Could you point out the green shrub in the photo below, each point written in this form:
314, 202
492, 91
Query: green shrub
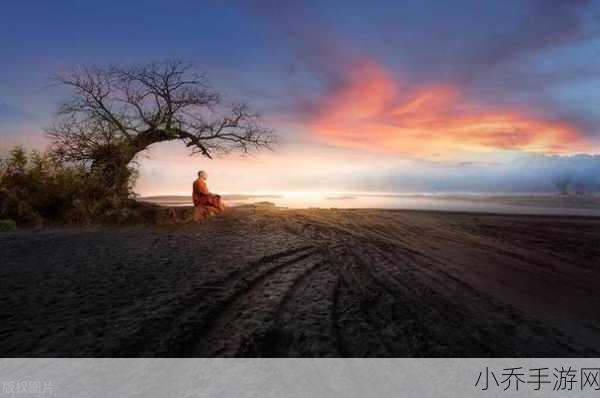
37, 188
7, 225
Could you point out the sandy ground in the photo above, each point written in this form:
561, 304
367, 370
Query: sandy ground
270, 282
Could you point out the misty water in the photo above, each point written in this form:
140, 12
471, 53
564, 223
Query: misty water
507, 204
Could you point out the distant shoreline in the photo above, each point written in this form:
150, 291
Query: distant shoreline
189, 197
549, 204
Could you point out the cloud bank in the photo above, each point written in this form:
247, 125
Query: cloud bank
374, 112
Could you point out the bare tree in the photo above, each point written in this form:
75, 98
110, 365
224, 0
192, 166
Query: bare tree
117, 112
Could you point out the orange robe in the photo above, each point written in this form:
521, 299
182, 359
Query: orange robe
202, 196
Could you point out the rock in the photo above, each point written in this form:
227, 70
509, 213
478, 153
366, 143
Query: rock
203, 212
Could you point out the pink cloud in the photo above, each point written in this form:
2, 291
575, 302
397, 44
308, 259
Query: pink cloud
374, 111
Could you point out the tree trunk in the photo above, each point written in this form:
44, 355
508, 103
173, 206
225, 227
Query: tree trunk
111, 164
112, 170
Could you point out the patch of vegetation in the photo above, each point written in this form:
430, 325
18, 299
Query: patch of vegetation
8, 225
37, 188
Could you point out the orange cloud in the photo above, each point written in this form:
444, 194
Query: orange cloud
372, 112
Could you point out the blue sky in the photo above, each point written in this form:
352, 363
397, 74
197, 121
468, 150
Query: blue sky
492, 82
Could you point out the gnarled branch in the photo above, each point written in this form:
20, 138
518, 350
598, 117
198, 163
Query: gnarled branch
133, 107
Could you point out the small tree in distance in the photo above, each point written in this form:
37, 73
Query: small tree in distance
562, 184
116, 112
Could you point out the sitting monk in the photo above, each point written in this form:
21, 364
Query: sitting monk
206, 203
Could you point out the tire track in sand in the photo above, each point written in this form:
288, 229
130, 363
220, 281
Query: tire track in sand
175, 334
358, 317
243, 321
303, 324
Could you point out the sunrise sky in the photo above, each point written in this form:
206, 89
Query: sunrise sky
387, 96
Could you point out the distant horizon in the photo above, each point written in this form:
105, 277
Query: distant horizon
511, 203
279, 194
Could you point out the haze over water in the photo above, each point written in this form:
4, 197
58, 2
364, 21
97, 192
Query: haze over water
509, 204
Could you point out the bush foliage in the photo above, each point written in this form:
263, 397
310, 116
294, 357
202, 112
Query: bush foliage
7, 225
36, 188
